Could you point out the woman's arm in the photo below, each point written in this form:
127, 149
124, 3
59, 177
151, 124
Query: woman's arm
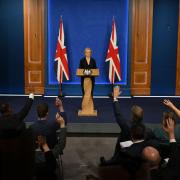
169, 104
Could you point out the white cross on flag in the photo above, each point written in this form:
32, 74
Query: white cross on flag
113, 56
61, 56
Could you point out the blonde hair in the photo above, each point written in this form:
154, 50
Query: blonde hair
87, 49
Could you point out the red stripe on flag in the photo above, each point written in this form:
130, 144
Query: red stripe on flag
61, 55
113, 56
112, 75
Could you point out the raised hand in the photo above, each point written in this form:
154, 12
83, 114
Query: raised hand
59, 104
60, 120
31, 95
168, 103
116, 91
169, 127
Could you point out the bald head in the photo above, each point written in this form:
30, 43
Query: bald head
152, 156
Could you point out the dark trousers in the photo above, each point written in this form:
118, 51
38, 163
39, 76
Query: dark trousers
82, 85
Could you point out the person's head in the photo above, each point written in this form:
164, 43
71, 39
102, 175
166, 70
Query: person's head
88, 52
5, 108
137, 114
42, 110
151, 157
137, 132
168, 115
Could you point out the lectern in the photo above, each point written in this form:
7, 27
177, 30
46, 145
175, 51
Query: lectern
87, 101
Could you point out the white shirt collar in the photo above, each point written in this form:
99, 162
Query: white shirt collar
139, 141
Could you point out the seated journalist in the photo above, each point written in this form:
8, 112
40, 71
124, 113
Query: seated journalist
11, 123
124, 123
45, 158
46, 126
152, 157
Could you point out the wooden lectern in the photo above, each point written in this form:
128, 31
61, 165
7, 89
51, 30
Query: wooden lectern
87, 102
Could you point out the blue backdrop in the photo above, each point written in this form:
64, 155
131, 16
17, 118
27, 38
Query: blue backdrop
87, 24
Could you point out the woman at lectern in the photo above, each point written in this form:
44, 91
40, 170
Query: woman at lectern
87, 63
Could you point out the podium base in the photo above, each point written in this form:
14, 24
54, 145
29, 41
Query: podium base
82, 113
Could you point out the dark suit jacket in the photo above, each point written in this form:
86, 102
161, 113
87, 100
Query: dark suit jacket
84, 65
129, 158
46, 170
126, 124
47, 128
46, 162
11, 125
58, 148
129, 153
172, 170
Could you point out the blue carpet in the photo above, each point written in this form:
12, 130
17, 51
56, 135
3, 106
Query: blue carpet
153, 108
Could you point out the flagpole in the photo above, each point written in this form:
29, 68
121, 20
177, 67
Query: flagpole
60, 90
111, 93
114, 62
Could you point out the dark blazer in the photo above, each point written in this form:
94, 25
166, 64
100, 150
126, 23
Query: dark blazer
47, 128
84, 65
125, 126
46, 162
129, 158
127, 154
45, 170
12, 124
172, 170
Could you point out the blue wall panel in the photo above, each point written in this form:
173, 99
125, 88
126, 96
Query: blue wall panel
87, 24
164, 53
11, 46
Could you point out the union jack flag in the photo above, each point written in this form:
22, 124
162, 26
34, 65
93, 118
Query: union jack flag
113, 56
61, 56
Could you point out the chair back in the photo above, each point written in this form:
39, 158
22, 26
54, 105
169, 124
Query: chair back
113, 173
